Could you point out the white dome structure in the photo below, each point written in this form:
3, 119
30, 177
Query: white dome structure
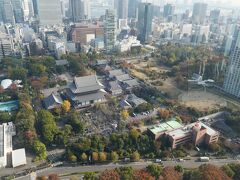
6, 83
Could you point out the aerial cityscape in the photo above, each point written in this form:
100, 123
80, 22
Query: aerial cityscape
120, 89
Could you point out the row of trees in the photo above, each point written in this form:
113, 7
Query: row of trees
154, 171
132, 144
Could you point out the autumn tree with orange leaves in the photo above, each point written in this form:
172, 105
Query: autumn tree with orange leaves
109, 175
169, 173
142, 175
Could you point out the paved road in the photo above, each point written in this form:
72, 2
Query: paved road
137, 165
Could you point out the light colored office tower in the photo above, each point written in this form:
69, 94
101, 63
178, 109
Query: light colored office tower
49, 12
6, 46
6, 133
79, 10
110, 26
199, 13
121, 7
27, 9
232, 78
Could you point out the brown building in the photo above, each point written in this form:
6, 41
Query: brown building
84, 33
195, 133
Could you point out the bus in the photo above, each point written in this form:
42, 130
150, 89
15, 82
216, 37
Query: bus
204, 159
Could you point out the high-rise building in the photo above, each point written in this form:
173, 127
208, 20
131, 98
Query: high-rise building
28, 11
35, 7
199, 13
232, 78
215, 16
132, 8
145, 17
79, 10
18, 10
122, 8
6, 46
168, 10
110, 26
49, 12
6, 11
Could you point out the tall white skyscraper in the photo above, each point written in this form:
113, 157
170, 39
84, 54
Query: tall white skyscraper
49, 12
27, 9
110, 26
232, 78
79, 10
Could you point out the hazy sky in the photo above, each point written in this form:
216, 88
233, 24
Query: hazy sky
236, 2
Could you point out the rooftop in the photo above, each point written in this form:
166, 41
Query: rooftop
165, 127
19, 157
116, 72
62, 62
86, 84
180, 132
123, 77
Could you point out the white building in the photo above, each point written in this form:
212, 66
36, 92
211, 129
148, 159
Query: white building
6, 45
123, 24
232, 78
127, 43
57, 46
110, 30
186, 29
6, 133
7, 154
49, 12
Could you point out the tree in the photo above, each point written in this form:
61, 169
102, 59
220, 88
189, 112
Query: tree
114, 156
154, 169
214, 147
169, 173
164, 113
124, 114
40, 150
142, 175
18, 73
53, 177
95, 156
179, 168
143, 108
230, 173
75, 122
90, 176
48, 125
236, 170
134, 134
209, 171
125, 173
84, 157
109, 175
72, 158
102, 156
5, 117
42, 178
66, 106
135, 156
